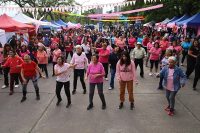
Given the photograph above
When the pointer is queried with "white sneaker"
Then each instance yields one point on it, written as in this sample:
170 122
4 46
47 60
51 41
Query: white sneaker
110 88
16 86
106 79
150 74
4 86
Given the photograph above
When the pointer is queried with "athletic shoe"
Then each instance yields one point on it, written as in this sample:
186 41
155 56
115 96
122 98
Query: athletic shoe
121 105
150 74
106 79
167 109
110 88
23 99
171 113
132 106
90 106
16 86
4 86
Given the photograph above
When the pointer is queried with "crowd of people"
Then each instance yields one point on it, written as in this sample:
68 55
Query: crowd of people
93 54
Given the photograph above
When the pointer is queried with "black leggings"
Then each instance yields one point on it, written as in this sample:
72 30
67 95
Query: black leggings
197 76
154 62
184 53
43 67
6 79
79 73
59 86
105 65
191 61
170 95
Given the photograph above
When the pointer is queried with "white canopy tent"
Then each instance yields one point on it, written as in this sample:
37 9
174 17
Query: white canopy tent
20 17
2 37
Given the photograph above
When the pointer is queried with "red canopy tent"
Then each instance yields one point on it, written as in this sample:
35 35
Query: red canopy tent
10 25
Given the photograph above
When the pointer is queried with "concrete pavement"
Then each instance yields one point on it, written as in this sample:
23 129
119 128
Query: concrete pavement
148 116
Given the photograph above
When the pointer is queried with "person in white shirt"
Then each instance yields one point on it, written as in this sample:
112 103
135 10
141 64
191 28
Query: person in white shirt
62 73
138 54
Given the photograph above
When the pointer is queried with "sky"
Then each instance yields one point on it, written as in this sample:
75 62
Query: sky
96 2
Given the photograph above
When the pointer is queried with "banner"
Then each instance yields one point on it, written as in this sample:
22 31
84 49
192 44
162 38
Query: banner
126 12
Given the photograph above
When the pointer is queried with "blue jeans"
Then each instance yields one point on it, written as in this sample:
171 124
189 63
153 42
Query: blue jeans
112 71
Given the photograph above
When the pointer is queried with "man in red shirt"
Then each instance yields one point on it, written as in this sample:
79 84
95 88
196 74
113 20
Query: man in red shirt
29 71
14 63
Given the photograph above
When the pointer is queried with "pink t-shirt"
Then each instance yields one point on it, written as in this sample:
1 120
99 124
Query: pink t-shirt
170 81
81 61
95 69
103 55
149 46
120 43
22 54
42 57
164 45
124 73
177 48
56 54
155 53
131 42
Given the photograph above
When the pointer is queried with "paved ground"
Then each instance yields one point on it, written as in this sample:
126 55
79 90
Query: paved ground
148 117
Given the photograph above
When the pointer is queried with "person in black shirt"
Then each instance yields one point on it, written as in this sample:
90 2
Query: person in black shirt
113 59
192 56
197 72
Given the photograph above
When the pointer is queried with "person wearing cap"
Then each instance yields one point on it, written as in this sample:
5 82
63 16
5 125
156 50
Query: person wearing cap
173 79
80 61
138 54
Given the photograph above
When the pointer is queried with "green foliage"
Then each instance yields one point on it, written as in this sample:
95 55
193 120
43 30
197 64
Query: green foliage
171 8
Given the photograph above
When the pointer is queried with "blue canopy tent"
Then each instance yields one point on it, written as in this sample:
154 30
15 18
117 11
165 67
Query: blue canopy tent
173 19
50 26
192 21
173 23
61 22
53 22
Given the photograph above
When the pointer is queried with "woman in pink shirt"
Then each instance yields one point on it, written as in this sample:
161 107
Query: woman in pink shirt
42 58
164 44
121 43
131 43
149 46
56 53
103 58
96 72
155 53
126 75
